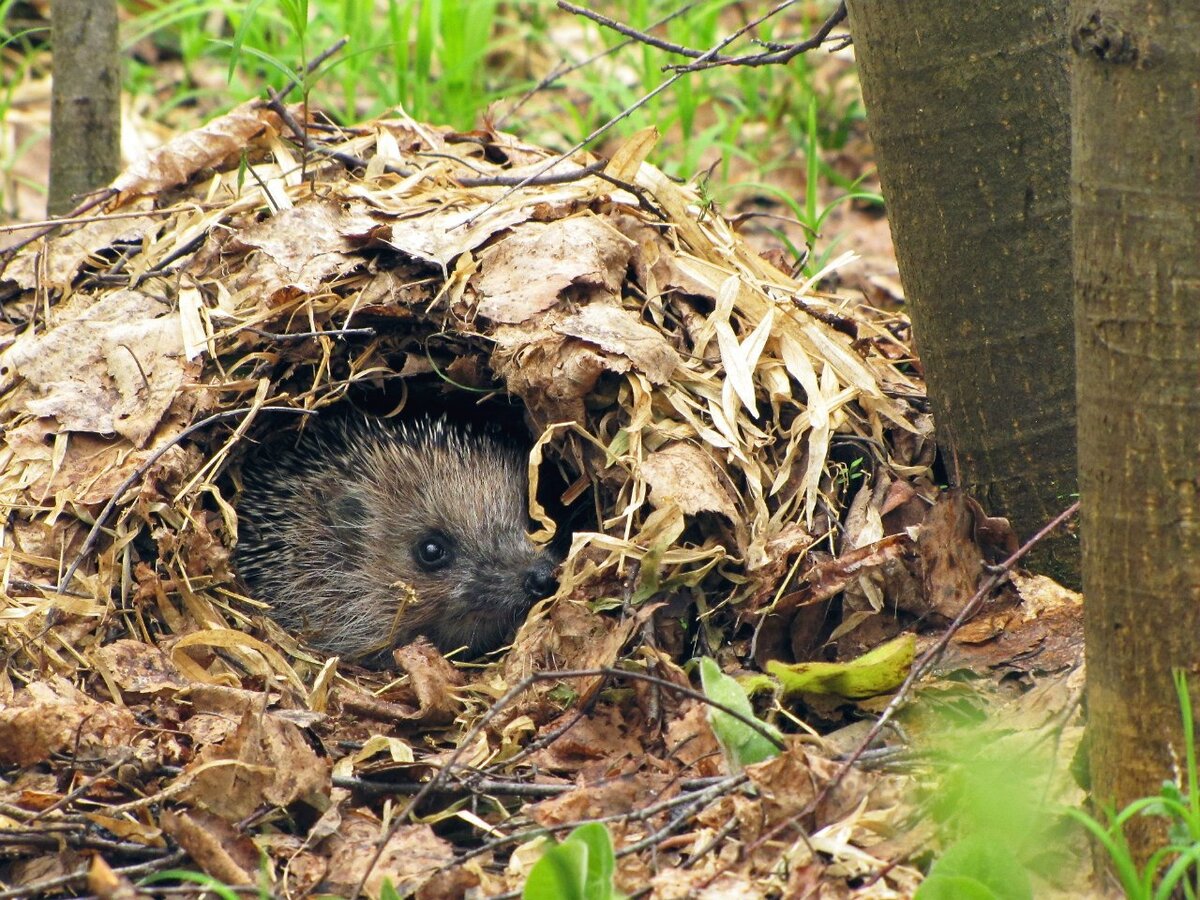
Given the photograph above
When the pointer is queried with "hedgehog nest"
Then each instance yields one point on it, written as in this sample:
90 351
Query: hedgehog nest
700 404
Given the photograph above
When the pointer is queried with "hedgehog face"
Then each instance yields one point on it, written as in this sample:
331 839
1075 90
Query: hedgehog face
367 535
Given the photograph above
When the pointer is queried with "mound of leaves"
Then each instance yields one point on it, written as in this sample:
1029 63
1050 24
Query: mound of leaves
739 457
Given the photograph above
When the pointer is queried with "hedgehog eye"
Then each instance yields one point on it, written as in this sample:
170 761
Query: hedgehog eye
433 552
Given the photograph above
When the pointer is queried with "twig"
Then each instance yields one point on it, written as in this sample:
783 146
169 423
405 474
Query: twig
43 840
304 335
633 34
483 785
562 71
83 220
713 788
314 63
778 57
919 668
61 881
76 215
776 53
49 225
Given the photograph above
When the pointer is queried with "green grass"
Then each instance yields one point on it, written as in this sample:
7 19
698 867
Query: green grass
459 62
448 61
1173 870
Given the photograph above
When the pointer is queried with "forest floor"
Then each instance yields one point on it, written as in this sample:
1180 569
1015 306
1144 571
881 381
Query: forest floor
181 734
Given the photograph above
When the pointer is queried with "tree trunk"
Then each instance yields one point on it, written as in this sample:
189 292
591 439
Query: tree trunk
1136 195
85 106
968 107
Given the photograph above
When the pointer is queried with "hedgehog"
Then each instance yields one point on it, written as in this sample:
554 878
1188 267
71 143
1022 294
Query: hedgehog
365 534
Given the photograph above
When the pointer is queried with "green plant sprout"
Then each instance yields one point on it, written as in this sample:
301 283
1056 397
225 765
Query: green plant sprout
580 868
1174 867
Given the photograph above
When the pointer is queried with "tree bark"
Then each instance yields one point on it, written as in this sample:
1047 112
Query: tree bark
85 105
1136 196
968 106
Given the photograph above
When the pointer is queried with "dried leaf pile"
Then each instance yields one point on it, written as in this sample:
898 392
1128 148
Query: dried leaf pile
724 427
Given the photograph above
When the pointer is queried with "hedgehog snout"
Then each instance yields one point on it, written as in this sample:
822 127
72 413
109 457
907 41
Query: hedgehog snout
540 581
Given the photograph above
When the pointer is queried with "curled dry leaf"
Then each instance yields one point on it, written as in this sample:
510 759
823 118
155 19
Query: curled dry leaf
138 668
265 761
684 474
214 845
525 274
182 157
433 682
411 856
113 366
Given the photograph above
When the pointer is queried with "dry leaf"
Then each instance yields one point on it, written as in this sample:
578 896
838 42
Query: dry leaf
113 367
525 274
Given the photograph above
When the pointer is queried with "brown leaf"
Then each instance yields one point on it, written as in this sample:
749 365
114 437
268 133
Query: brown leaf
690 740
138 668
617 331
107 884
214 845
113 366
603 736
609 797
555 376
50 716
300 248
683 474
568 631
826 579
411 856
525 274
267 761
182 157
433 681
624 164
63 256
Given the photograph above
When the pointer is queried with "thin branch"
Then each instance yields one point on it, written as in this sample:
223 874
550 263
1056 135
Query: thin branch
36 888
776 53
562 71
778 57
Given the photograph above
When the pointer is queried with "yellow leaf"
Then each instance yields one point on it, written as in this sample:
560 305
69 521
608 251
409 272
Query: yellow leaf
629 157
877 672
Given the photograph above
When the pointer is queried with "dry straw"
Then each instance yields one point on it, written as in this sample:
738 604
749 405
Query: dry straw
696 389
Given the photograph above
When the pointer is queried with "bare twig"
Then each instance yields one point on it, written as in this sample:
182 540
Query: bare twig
35 888
775 54
562 70
483 785
283 337
778 57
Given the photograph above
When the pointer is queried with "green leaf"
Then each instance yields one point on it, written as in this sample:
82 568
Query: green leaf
561 874
601 861
976 869
877 672
742 744
580 868
953 887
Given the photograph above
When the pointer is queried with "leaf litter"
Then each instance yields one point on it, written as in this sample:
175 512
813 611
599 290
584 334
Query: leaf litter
751 460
